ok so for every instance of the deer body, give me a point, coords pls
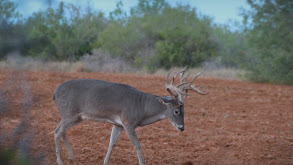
(122, 105)
(107, 102)
(102, 101)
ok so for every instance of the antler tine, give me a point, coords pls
(188, 86)
(171, 93)
(170, 87)
(174, 77)
(181, 72)
(184, 69)
(181, 92)
(167, 77)
(182, 84)
(198, 74)
(198, 90)
(175, 97)
(182, 78)
(185, 78)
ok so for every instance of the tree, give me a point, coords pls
(158, 35)
(269, 26)
(9, 27)
(55, 35)
(8, 13)
(232, 48)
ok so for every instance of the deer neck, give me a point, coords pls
(154, 111)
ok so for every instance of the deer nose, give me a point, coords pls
(181, 128)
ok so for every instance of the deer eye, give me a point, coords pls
(176, 112)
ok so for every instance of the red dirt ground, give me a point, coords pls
(236, 123)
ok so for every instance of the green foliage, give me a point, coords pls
(157, 35)
(119, 40)
(187, 40)
(149, 7)
(270, 35)
(9, 27)
(177, 36)
(54, 35)
(11, 156)
(233, 46)
(8, 13)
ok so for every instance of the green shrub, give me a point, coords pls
(175, 36)
(270, 36)
(55, 35)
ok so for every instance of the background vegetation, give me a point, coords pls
(156, 35)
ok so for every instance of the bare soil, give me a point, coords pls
(236, 123)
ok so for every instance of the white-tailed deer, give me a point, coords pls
(123, 106)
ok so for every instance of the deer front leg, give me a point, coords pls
(135, 141)
(116, 131)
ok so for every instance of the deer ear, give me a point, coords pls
(162, 101)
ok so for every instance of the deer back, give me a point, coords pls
(103, 99)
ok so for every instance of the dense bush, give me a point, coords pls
(11, 29)
(270, 35)
(177, 36)
(233, 48)
(55, 35)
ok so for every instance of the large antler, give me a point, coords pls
(184, 86)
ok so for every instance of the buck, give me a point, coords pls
(122, 105)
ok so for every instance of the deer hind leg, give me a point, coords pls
(116, 131)
(57, 143)
(68, 147)
(59, 132)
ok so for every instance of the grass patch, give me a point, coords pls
(104, 63)
(222, 73)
